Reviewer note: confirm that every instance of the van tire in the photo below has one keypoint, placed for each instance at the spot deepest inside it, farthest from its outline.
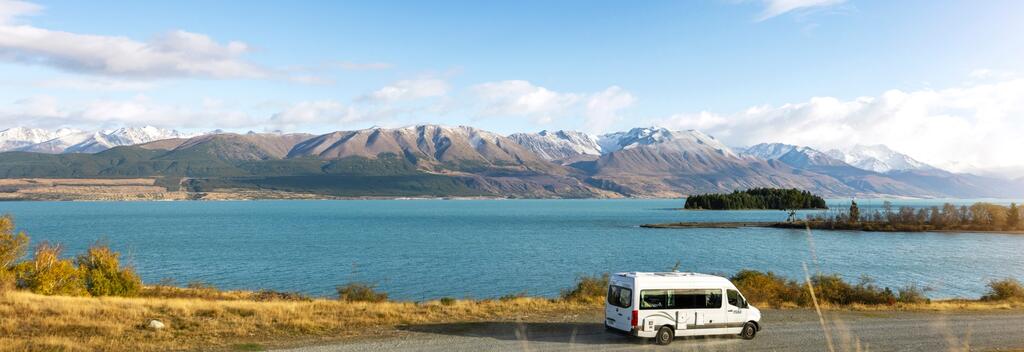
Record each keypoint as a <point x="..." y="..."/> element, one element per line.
<point x="749" y="331"/>
<point x="664" y="336"/>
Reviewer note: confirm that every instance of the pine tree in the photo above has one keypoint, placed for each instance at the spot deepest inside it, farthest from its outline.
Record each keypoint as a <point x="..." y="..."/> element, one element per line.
<point x="854" y="212"/>
<point x="1013" y="217"/>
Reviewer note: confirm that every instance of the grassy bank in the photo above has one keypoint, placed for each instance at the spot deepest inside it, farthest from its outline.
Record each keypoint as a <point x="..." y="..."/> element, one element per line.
<point x="47" y="323"/>
<point x="208" y="319"/>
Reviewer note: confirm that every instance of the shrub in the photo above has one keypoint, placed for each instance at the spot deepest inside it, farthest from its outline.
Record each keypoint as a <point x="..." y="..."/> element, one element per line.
<point x="912" y="294"/>
<point x="360" y="292"/>
<point x="200" y="286"/>
<point x="588" y="288"/>
<point x="832" y="289"/>
<point x="48" y="274"/>
<point x="447" y="301"/>
<point x="103" y="275"/>
<point x="512" y="296"/>
<point x="768" y="289"/>
<point x="1004" y="290"/>
<point x="271" y="295"/>
<point x="7" y="280"/>
<point x="12" y="245"/>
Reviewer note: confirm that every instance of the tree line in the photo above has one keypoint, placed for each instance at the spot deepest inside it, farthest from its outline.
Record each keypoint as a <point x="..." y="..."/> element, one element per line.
<point x="979" y="216"/>
<point x="757" y="198"/>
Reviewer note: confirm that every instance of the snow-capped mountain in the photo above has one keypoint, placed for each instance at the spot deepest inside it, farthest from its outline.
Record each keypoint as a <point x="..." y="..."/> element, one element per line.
<point x="682" y="140"/>
<point x="75" y="141"/>
<point x="558" y="145"/>
<point x="793" y="155"/>
<point x="878" y="158"/>
<point x="768" y="151"/>
<point x="20" y="137"/>
<point x="100" y="141"/>
<point x="802" y="157"/>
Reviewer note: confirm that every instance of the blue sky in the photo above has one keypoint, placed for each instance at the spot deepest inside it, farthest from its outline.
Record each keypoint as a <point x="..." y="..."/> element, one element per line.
<point x="727" y="67"/>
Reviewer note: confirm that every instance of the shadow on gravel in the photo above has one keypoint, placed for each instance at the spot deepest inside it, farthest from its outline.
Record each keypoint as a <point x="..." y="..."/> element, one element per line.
<point x="570" y="333"/>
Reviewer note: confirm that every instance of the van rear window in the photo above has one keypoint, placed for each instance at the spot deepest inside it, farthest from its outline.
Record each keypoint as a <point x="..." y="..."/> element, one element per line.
<point x="681" y="299"/>
<point x="620" y="296"/>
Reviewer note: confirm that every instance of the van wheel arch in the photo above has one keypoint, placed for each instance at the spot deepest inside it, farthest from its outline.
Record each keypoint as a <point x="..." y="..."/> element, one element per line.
<point x="749" y="330"/>
<point x="658" y="337"/>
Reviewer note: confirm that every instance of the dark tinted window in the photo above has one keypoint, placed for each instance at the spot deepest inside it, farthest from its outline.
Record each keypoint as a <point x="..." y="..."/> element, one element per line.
<point x="681" y="299"/>
<point x="620" y="296"/>
<point x="734" y="298"/>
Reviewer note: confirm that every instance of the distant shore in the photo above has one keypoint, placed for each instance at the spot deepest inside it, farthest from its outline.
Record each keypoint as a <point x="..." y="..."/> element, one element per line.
<point x="812" y="226"/>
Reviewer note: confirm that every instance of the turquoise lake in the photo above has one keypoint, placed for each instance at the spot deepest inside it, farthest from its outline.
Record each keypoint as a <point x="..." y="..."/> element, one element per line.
<point x="424" y="249"/>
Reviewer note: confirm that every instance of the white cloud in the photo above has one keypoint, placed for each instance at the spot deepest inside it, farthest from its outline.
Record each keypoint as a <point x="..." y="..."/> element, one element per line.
<point x="307" y="113"/>
<point x="774" y="8"/>
<point x="522" y="98"/>
<point x="518" y="98"/>
<point x="363" y="66"/>
<point x="48" y="112"/>
<point x="977" y="126"/>
<point x="92" y="84"/>
<point x="10" y="9"/>
<point x="603" y="108"/>
<point x="408" y="90"/>
<point x="174" y="54"/>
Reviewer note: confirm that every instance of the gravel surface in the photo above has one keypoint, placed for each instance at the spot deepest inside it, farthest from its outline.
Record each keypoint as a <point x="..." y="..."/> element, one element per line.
<point x="786" y="330"/>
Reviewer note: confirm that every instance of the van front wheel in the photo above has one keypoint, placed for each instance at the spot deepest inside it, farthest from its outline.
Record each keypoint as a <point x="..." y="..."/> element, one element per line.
<point x="665" y="336"/>
<point x="749" y="331"/>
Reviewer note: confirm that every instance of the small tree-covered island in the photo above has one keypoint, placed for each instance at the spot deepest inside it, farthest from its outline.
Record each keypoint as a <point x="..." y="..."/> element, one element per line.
<point x="757" y="198"/>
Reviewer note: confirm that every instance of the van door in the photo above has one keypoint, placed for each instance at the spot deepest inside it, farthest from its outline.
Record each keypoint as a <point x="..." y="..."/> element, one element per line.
<point x="736" y="309"/>
<point x="618" y="311"/>
<point x="714" y="312"/>
<point x="701" y="310"/>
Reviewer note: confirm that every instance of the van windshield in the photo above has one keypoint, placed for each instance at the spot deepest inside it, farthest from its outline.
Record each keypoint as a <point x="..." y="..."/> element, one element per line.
<point x="620" y="296"/>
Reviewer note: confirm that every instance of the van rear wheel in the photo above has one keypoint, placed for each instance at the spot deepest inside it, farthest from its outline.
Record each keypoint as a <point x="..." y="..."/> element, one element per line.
<point x="749" y="331"/>
<point x="665" y="336"/>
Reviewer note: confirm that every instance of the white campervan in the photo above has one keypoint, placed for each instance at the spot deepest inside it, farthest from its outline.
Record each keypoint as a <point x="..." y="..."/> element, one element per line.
<point x="666" y="305"/>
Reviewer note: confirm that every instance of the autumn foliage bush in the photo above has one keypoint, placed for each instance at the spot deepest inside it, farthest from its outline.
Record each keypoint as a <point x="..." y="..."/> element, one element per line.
<point x="103" y="275"/>
<point x="49" y="274"/>
<point x="97" y="272"/>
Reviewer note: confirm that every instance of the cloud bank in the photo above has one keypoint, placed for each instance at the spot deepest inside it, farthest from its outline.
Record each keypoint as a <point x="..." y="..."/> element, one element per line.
<point x="971" y="127"/>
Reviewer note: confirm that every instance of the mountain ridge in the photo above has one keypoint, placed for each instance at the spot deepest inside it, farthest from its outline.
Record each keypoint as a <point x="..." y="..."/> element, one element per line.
<point x="640" y="162"/>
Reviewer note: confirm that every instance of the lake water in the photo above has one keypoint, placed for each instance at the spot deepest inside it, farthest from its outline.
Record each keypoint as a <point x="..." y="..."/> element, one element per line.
<point x="422" y="249"/>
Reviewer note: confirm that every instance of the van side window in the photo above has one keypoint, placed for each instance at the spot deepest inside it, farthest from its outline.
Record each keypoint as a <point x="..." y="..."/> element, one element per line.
<point x="620" y="296"/>
<point x="681" y="299"/>
<point x="734" y="298"/>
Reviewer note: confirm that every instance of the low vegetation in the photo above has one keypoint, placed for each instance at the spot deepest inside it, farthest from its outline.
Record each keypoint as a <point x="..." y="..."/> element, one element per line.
<point x="976" y="217"/>
<point x="360" y="292"/>
<point x="757" y="198"/>
<point x="587" y="289"/>
<point x="1004" y="290"/>
<point x="97" y="272"/>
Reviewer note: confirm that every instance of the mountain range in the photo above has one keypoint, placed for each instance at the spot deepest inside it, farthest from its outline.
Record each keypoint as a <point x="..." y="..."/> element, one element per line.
<point x="432" y="160"/>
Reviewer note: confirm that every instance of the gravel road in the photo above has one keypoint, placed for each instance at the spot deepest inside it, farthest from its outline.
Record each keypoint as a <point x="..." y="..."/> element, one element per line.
<point x="786" y="330"/>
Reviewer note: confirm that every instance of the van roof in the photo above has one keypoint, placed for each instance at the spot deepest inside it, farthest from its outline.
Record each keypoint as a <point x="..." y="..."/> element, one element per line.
<point x="675" y="279"/>
<point x="666" y="274"/>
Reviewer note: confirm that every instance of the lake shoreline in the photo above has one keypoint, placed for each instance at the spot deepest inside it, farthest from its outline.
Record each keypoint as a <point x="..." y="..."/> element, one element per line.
<point x="801" y="226"/>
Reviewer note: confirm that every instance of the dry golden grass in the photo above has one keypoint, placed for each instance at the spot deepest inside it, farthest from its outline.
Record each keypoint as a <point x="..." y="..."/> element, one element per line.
<point x="223" y="320"/>
<point x="939" y="306"/>
<point x="45" y="323"/>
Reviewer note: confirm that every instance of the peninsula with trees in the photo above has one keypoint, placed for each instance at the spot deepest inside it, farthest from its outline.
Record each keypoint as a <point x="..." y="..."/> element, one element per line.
<point x="977" y="217"/>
